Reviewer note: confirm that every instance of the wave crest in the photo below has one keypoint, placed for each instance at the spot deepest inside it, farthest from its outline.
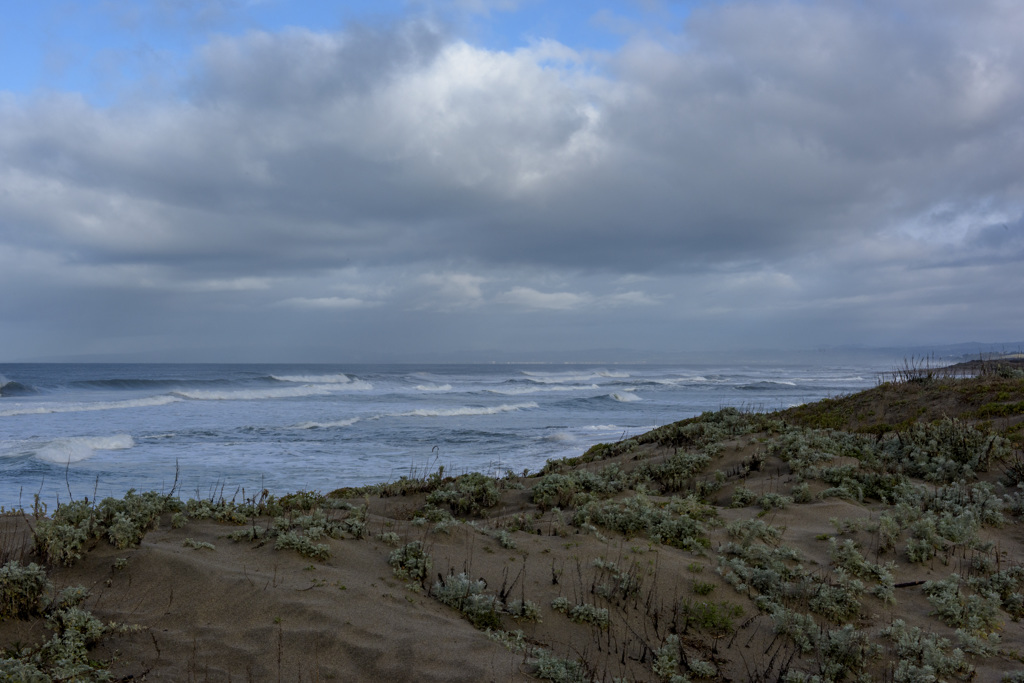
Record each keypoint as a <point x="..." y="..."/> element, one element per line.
<point x="77" y="448"/>
<point x="86" y="407"/>
<point x="468" y="410"/>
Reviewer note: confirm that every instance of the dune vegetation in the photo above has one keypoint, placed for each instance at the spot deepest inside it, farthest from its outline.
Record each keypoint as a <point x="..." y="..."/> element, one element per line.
<point x="870" y="537"/>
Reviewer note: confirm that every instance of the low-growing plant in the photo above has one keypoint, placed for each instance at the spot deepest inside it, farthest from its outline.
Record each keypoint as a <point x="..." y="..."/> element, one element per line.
<point x="549" y="667"/>
<point x="976" y="614"/>
<point x="468" y="597"/>
<point x="468" y="494"/>
<point x="923" y="656"/>
<point x="677" y="525"/>
<point x="523" y="610"/>
<point x="389" y="537"/>
<point x="23" y="590"/>
<point x="291" y="540"/>
<point x="411" y="562"/>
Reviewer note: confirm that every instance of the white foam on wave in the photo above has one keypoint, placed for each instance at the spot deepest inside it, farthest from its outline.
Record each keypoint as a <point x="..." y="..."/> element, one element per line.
<point x="467" y="410"/>
<point x="328" y="425"/>
<point x="433" y="387"/>
<point x="517" y="391"/>
<point x="263" y="394"/>
<point x="85" y="407"/>
<point x="625" y="397"/>
<point x="573" y="377"/>
<point x="314" y="379"/>
<point x="560" y="437"/>
<point x="676" y="381"/>
<point x="77" y="448"/>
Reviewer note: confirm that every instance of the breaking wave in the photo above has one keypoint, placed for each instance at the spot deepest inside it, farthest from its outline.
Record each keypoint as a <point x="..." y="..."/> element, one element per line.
<point x="339" y="378"/>
<point x="12" y="388"/>
<point x="573" y="377"/>
<point x="86" y="407"/>
<point x="433" y="387"/>
<point x="536" y="389"/>
<point x="328" y="425"/>
<point x="281" y="392"/>
<point x="77" y="448"/>
<point x="467" y="410"/>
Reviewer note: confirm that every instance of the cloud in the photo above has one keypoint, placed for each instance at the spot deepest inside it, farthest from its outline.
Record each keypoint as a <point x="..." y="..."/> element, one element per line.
<point x="771" y="156"/>
<point x="453" y="289"/>
<point x="531" y="299"/>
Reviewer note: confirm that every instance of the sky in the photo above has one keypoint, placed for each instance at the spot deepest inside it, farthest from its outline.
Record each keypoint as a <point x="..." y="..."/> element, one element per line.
<point x="289" y="181"/>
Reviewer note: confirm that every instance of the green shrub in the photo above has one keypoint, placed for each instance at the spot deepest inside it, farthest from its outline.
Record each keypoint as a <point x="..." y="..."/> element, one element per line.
<point x="23" y="590"/>
<point x="469" y="494"/>
<point x="550" y="667"/>
<point x="468" y="597"/>
<point x="291" y="540"/>
<point x="678" y="525"/>
<point x="411" y="562"/>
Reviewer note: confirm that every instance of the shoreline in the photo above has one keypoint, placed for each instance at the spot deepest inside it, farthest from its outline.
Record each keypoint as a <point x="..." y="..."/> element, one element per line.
<point x="637" y="559"/>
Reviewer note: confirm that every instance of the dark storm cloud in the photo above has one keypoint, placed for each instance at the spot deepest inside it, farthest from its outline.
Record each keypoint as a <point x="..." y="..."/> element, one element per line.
<point x="798" y="157"/>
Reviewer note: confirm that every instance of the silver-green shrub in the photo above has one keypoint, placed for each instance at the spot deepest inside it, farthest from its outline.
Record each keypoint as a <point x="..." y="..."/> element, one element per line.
<point x="410" y="562"/>
<point x="23" y="590"/>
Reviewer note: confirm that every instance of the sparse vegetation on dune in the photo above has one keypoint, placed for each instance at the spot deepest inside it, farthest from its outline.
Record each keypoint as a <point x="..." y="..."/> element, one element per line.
<point x="865" y="537"/>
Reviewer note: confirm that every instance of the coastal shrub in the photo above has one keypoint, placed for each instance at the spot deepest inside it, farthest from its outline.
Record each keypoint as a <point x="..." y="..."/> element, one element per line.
<point x="848" y="558"/>
<point x="410" y="562"/>
<point x="513" y="640"/>
<point x="468" y="596"/>
<point x="586" y="613"/>
<point x="573" y="488"/>
<point x="748" y="530"/>
<point x="1008" y="584"/>
<point x="468" y="494"/>
<point x="197" y="545"/>
<point x="547" y="666"/>
<point x="65" y="656"/>
<point x="976" y="614"/>
<point x="523" y="610"/>
<point x="23" y="590"/>
<point x="59" y="542"/>
<point x="944" y="452"/>
<point x="505" y="540"/>
<point x="715" y="618"/>
<point x="678" y="524"/>
<point x="123" y="522"/>
<point x="702" y="669"/>
<point x="773" y="501"/>
<point x="616" y="582"/>
<point x="675" y="473"/>
<point x="764" y="569"/>
<point x="742" y="497"/>
<point x="797" y="626"/>
<point x="389" y="537"/>
<point x="666" y="657"/>
<point x="846" y="651"/>
<point x="838" y="601"/>
<point x="291" y="540"/>
<point x="923" y="656"/>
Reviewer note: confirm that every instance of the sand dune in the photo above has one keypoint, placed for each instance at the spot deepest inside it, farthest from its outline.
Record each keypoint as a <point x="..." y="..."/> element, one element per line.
<point x="727" y="547"/>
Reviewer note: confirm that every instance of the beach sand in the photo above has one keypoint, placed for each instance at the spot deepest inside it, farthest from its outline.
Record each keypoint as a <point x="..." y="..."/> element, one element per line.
<point x="245" y="610"/>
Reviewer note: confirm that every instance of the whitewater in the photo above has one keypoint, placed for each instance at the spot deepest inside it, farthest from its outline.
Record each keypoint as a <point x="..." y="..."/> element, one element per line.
<point x="71" y="431"/>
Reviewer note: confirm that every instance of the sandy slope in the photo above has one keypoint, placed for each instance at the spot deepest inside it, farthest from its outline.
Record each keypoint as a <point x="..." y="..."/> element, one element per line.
<point x="246" y="611"/>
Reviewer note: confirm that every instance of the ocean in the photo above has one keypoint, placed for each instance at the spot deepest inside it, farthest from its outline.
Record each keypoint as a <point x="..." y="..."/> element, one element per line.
<point x="70" y="431"/>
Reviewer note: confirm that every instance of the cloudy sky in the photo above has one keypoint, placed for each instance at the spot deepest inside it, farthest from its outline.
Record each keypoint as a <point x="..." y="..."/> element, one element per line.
<point x="385" y="180"/>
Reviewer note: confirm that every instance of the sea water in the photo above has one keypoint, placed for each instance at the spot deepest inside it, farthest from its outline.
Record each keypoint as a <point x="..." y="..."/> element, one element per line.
<point x="70" y="431"/>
